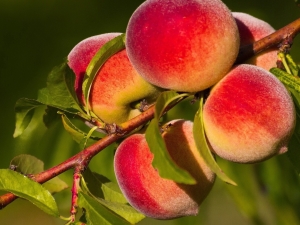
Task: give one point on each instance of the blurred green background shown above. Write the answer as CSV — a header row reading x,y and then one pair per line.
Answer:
x,y
36,35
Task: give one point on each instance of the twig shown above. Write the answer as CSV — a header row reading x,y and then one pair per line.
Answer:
x,y
83,158
274,39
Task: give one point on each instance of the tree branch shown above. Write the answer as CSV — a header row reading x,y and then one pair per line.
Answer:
x,y
83,158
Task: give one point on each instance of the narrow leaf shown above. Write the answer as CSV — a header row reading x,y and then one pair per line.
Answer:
x,y
200,140
78,135
107,195
96,213
26,188
162,161
28,164
164,100
24,109
290,81
105,52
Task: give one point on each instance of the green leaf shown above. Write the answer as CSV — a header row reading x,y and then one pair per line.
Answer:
x,y
164,100
290,81
26,188
78,135
96,213
200,140
162,161
101,187
24,109
105,52
294,143
27,164
109,195
60,84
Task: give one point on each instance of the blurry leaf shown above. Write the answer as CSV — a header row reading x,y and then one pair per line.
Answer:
x,y
162,161
108,194
200,140
294,143
96,213
60,84
24,109
101,187
78,135
249,197
105,52
27,164
26,188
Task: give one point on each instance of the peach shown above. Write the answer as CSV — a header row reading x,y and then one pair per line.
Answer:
x,y
152,195
116,87
249,115
182,45
252,29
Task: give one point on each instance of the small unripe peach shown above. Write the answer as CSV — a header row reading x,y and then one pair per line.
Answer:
x,y
252,29
182,45
152,195
249,115
117,85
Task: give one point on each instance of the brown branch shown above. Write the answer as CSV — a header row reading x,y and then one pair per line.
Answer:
x,y
83,158
274,39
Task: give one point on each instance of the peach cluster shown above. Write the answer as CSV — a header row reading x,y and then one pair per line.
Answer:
x,y
187,46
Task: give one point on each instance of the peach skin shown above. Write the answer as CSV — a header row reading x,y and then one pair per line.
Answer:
x,y
252,29
249,115
116,87
182,45
152,195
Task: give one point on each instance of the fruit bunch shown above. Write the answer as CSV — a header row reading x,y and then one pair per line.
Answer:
x,y
187,46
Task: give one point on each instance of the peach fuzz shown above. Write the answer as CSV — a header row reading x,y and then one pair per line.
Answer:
x,y
249,115
252,29
182,45
152,195
116,86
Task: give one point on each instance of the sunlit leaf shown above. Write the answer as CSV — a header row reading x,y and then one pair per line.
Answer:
x,y
26,188
290,81
162,160
105,52
78,135
24,110
27,164
107,194
101,187
200,140
96,213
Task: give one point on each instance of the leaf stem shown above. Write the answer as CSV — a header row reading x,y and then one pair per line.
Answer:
x,y
82,159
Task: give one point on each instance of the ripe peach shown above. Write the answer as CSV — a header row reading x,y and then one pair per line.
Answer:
x,y
116,86
154,196
249,115
182,45
252,29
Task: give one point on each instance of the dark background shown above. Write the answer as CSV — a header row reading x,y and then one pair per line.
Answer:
x,y
35,36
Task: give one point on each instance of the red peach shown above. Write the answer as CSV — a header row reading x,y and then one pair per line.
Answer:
x,y
252,29
152,195
116,86
182,45
249,115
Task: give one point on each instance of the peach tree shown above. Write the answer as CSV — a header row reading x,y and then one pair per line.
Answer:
x,y
233,72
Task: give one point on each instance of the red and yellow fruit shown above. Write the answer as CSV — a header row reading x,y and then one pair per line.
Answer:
x,y
116,87
252,29
182,45
152,195
249,115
